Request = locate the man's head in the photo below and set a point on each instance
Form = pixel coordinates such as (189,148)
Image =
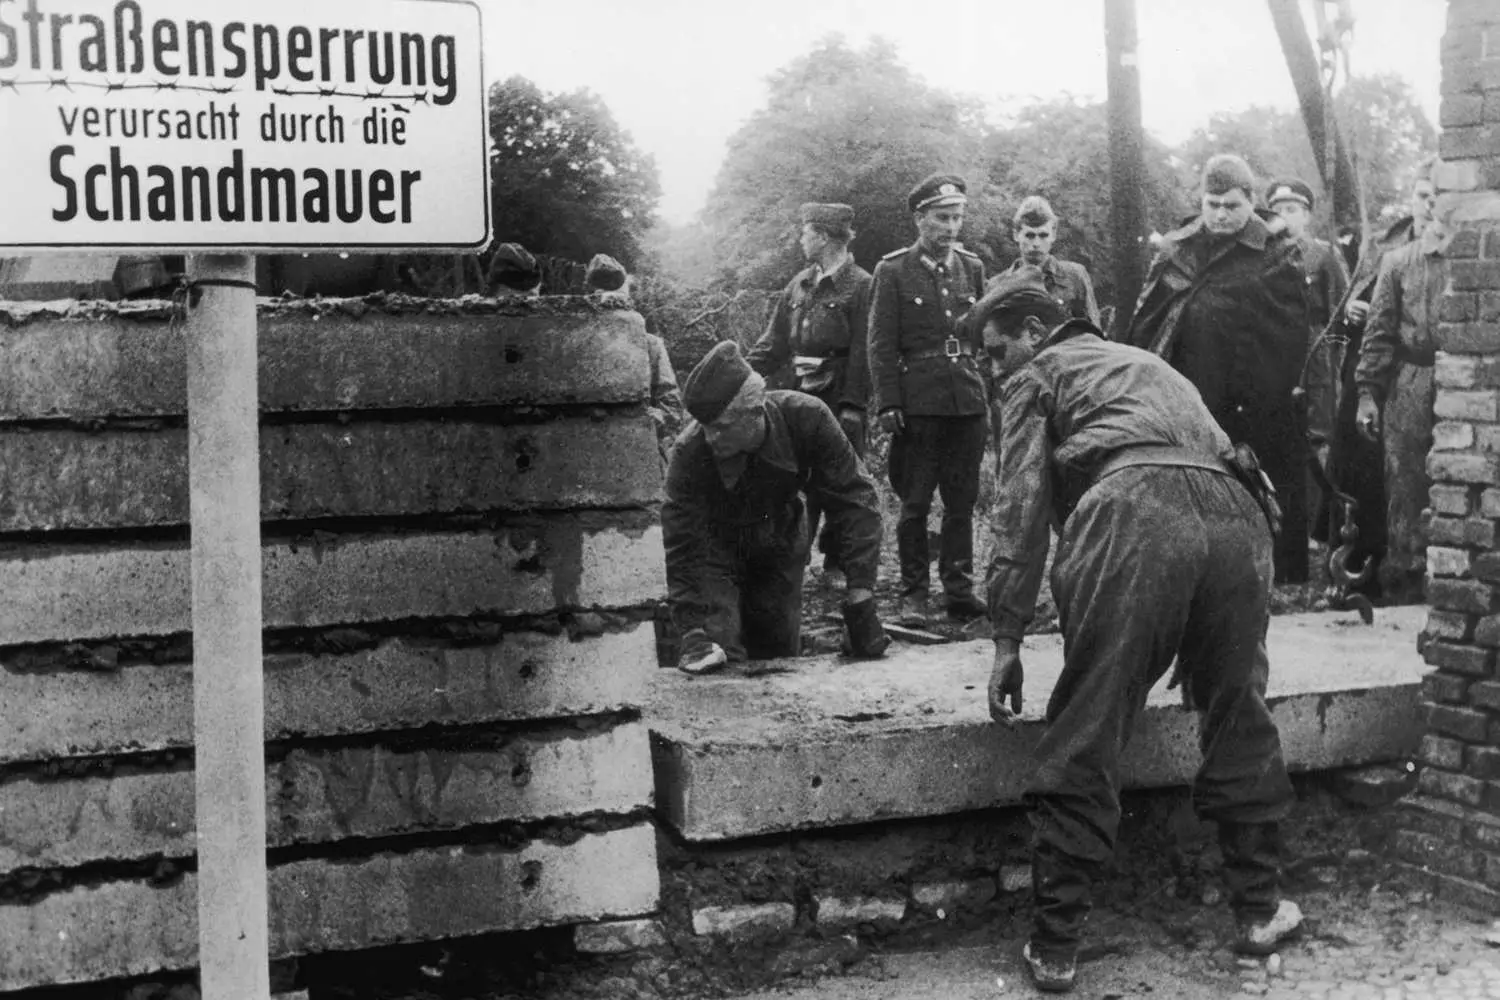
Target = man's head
(1423,195)
(1016,316)
(1228,194)
(1293,201)
(937,207)
(826,228)
(728,399)
(1036,228)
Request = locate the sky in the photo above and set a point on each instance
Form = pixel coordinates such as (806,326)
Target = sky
(681,76)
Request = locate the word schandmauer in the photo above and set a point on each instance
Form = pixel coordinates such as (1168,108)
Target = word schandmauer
(268,55)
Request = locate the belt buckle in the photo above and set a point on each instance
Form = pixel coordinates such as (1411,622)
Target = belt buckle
(951,349)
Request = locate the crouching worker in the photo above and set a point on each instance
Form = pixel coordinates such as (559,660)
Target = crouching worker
(1164,550)
(735,522)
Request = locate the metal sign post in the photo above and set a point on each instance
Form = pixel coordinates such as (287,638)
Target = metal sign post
(228,697)
(221,130)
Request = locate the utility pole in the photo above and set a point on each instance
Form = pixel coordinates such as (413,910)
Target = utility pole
(1127,169)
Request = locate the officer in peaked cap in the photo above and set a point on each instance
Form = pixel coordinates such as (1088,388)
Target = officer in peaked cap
(818,328)
(734,523)
(929,393)
(1162,549)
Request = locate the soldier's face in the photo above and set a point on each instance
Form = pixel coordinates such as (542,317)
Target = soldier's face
(1011,342)
(813,242)
(938,227)
(1296,215)
(1423,200)
(741,428)
(1035,242)
(1226,214)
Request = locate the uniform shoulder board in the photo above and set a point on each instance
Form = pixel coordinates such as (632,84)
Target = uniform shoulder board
(966,252)
(895,253)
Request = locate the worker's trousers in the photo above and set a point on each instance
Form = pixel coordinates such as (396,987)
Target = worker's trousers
(1157,562)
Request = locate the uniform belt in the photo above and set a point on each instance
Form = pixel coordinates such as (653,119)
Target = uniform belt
(1169,455)
(957,351)
(824,357)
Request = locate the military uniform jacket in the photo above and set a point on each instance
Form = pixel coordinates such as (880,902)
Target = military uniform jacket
(917,305)
(1065,413)
(1403,314)
(822,316)
(1067,282)
(760,518)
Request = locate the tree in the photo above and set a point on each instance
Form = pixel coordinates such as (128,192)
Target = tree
(1060,149)
(567,181)
(840,125)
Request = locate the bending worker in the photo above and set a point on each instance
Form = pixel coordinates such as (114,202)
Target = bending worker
(735,525)
(1163,551)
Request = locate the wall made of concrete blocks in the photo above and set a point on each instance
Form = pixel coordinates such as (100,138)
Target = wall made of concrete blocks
(461,560)
(1447,829)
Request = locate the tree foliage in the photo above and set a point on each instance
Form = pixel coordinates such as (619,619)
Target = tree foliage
(567,181)
(843,125)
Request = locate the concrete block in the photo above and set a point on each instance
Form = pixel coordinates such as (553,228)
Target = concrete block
(325,795)
(430,894)
(737,758)
(1447,562)
(65,479)
(64,593)
(617,936)
(1450,500)
(1463,467)
(398,685)
(835,911)
(64,367)
(943,898)
(1458,404)
(1441,751)
(1015,878)
(1449,435)
(740,923)
(1449,625)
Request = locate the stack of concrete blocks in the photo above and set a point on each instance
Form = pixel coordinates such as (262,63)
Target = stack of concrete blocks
(1452,827)
(461,553)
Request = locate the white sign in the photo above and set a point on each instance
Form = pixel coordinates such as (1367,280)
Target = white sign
(185,125)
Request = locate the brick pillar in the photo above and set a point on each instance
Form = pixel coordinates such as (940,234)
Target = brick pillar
(1451,827)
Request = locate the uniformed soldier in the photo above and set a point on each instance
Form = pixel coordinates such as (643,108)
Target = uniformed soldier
(1225,302)
(1163,551)
(819,327)
(1035,232)
(929,393)
(605,274)
(734,523)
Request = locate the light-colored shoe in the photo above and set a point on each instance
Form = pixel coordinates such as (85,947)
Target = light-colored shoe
(1050,975)
(1262,938)
(702,658)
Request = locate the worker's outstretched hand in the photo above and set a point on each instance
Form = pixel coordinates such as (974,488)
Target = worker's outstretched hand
(1006,680)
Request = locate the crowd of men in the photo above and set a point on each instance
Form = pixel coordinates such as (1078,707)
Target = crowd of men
(1172,461)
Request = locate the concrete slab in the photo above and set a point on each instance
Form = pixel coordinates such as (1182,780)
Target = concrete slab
(65,479)
(824,742)
(69,593)
(399,684)
(131,928)
(317,796)
(110,367)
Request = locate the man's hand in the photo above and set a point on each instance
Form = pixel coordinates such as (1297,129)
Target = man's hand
(852,420)
(1367,417)
(893,421)
(1006,680)
(1356,312)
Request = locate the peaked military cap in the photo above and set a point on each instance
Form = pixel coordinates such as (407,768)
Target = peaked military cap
(604,273)
(1289,189)
(713,381)
(937,191)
